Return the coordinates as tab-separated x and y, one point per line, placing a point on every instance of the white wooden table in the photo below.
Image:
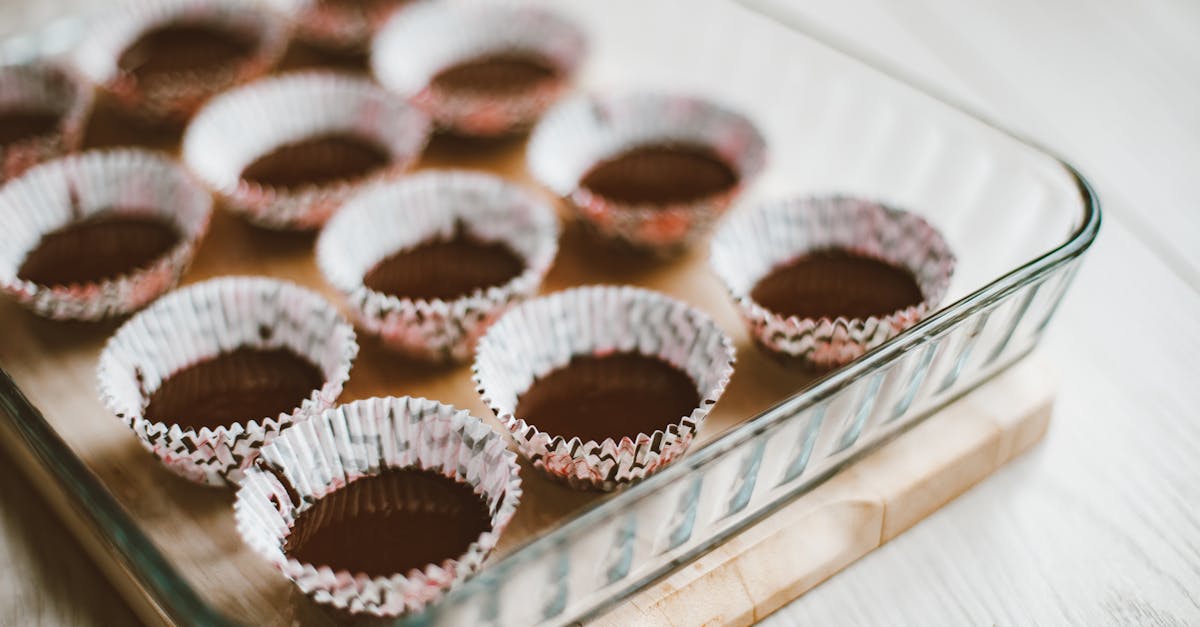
1101	523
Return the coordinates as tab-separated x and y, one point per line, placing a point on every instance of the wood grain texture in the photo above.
50	579
864	506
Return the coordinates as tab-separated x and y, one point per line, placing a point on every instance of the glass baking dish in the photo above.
1018	218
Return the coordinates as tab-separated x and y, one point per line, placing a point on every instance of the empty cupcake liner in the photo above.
425	207
544	334
172	98
340	25
315	458
104	182
200	322
244	124
36	88
751	243
420	41
585	131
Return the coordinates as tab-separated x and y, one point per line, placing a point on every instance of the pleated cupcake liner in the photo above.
751	243
544	334
314	459
420	41
172	98
242	125
583	132
205	320
103	182
337	25
43	87
428	207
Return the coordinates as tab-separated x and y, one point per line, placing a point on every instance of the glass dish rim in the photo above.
175	599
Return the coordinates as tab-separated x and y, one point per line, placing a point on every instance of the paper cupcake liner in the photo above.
582	132
426	207
242	125
43	87
544	334
340	25
315	458
108	182
205	320
422	40
750	244
173	98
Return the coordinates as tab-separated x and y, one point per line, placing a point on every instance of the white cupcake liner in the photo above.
361	439
173	98
751	243
427	207
584	131
337	25
237	127
122	181
428	37
544	334
200	322
43	87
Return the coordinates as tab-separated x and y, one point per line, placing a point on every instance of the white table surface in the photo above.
1098	525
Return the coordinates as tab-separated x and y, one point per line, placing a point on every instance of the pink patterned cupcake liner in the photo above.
751	243
583	132
422	40
338	24
430	207
545	334
244	124
118	182
203	321
314	459
171	98
42	88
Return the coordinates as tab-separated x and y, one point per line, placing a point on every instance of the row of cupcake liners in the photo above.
514	338
37	88
360	439
605	465
112	182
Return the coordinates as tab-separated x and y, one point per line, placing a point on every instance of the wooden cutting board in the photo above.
864	506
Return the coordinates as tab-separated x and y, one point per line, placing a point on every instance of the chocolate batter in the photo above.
446	269
831	283
661	174
174	48
499	74
317	161
241	385
22	124
99	248
390	523
617	395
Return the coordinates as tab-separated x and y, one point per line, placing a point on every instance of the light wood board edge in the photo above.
861	508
